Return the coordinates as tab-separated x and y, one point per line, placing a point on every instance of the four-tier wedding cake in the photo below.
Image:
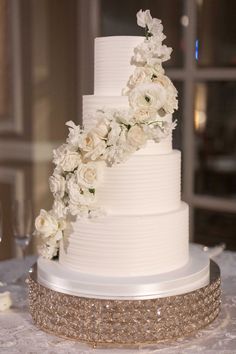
118	229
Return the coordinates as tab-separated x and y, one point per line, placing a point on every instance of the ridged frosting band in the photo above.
145	184
112	67
127	245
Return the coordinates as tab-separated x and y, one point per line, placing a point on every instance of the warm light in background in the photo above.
200	116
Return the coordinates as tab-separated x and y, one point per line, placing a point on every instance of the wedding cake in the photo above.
118	229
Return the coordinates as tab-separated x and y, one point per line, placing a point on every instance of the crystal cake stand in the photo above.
126	315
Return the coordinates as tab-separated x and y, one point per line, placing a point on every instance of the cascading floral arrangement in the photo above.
116	135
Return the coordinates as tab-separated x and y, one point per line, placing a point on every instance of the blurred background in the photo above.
46	64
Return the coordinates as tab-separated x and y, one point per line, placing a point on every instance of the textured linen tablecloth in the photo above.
19	335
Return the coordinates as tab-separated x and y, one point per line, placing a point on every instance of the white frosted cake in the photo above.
130	227
145	230
116	267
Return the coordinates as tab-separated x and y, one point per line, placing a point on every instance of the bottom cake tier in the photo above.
126	322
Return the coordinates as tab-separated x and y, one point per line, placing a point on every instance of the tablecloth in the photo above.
19	335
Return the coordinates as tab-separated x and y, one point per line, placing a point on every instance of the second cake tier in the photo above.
145	184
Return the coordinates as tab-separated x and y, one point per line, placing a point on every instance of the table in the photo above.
19	335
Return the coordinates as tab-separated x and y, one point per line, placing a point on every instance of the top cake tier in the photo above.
112	67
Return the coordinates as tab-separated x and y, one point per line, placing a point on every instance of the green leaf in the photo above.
92	190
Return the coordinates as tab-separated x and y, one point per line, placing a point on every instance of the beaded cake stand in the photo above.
102	322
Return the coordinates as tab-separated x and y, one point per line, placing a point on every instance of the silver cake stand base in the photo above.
102	322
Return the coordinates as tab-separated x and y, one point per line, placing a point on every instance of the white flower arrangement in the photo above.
117	134
148	58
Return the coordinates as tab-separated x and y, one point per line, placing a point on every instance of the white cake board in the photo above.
194	275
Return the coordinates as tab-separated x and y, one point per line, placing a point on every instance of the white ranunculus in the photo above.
46	224
145	96
65	157
136	137
74	136
88	174
171	102
143	75
57	185
143	18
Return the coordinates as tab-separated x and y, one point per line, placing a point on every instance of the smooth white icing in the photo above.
127	245
112	67
145	184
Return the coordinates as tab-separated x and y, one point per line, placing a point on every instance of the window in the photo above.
203	67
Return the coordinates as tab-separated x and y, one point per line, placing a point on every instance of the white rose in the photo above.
92	146
143	18
78	195
82	204
46	224
151	95
66	158
144	115
136	137
57	185
71	161
88	174
74	190
139	76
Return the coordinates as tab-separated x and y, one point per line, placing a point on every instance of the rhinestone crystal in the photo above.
124	322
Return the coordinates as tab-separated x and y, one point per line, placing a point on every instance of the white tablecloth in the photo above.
19	335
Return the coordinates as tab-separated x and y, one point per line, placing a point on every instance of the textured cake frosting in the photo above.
145	230
112	63
128	245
